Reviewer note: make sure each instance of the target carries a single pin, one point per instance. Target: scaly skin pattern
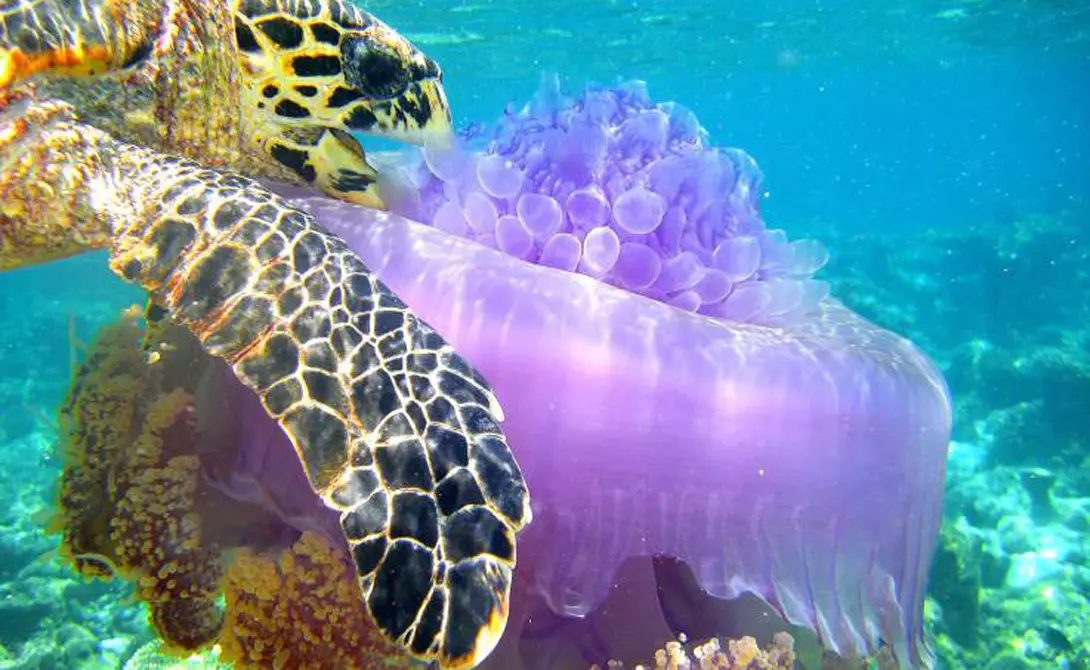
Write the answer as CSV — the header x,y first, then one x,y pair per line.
x,y
269,88
393,428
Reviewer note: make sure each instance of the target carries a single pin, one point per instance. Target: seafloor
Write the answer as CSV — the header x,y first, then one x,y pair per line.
x,y
1000,307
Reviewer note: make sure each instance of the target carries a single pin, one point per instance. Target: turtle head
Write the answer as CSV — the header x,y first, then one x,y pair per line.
x,y
401,90
328,73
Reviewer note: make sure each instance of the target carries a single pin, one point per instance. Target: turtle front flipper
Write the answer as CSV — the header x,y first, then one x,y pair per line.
x,y
393,428
78,38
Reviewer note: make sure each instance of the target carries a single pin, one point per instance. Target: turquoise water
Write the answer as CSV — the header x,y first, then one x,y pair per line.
x,y
895,115
941,151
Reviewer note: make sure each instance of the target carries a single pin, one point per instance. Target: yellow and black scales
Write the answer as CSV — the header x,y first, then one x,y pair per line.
x,y
128,125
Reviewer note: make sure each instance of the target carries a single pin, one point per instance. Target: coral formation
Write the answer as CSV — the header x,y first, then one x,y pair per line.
x,y
1052,398
955,583
1003,310
741,654
150,656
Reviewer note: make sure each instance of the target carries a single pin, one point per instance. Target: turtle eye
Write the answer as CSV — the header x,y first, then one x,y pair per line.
x,y
373,68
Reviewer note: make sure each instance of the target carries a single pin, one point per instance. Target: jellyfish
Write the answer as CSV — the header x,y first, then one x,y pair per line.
x,y
679,387
709,438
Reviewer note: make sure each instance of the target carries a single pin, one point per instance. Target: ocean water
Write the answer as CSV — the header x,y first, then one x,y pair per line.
x,y
940,150
897,115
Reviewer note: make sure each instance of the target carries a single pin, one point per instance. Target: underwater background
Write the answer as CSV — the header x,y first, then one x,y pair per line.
x,y
940,150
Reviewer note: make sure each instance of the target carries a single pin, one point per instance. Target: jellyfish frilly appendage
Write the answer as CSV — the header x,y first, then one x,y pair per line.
x,y
300,610
126,505
136,503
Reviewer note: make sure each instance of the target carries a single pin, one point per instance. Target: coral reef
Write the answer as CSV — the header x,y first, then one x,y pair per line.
x,y
1002,308
49,617
1017,576
151,656
1051,386
742,654
955,583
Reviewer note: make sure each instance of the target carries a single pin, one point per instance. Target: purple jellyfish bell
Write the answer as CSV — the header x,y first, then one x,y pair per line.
x,y
676,384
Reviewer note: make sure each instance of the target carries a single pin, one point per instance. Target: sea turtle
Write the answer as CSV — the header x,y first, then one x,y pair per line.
x,y
135,126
